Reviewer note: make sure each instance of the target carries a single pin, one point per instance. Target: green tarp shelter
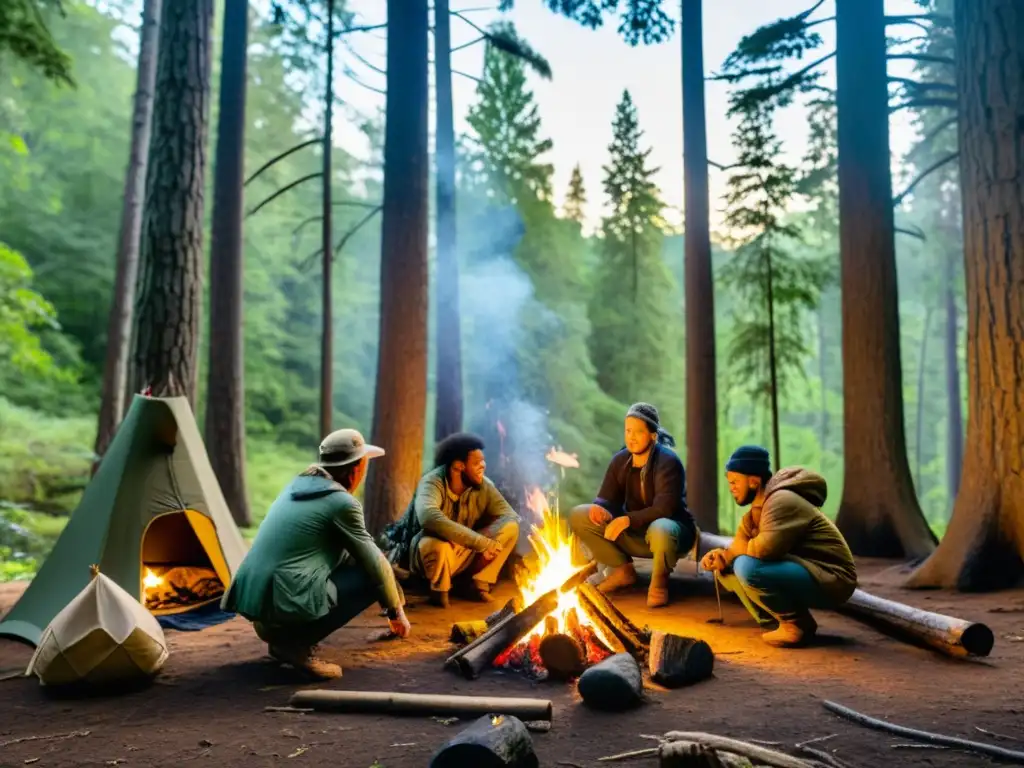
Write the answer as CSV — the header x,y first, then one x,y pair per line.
x,y
154,502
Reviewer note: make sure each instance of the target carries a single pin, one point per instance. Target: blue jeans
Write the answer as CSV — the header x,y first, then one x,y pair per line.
x,y
778,590
662,541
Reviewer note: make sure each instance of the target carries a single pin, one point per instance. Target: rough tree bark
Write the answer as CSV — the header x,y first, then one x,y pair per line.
x,y
448,407
954,408
401,401
701,398
170,277
225,390
327,244
983,548
119,325
879,513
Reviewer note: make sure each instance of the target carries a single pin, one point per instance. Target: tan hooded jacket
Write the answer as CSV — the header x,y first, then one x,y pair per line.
x,y
789,525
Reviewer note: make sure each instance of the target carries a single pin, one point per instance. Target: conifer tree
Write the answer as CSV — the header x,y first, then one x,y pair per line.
x,y
575,198
630,340
774,290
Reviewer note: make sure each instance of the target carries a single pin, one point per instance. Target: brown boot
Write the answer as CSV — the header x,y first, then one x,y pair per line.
x,y
792,634
657,593
439,598
481,591
306,660
622,577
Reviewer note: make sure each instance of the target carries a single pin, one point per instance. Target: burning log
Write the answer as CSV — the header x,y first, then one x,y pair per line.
x,y
476,656
493,741
595,603
954,637
676,661
579,577
384,703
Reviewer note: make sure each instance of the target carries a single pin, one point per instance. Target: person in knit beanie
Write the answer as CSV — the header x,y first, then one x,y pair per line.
x,y
640,510
786,557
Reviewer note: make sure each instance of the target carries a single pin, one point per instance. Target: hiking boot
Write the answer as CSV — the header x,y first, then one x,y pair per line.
x,y
622,577
657,592
306,660
481,592
439,598
792,634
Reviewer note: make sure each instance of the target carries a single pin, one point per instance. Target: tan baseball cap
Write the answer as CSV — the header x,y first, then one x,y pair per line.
x,y
345,446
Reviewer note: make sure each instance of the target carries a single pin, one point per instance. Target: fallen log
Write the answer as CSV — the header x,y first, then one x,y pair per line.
x,y
513,606
614,685
675,661
991,750
493,741
753,752
386,703
562,655
953,637
477,656
467,631
626,632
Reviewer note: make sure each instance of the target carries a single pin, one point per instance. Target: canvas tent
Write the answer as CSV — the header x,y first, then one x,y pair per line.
x,y
154,502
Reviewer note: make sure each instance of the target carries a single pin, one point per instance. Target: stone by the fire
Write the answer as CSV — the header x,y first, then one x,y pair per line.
x,y
493,741
676,661
614,684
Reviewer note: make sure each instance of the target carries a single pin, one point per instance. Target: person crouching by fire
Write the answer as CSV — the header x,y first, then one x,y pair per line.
x,y
786,557
313,566
459,523
640,510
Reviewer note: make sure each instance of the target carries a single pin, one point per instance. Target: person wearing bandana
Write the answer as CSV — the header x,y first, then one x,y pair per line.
x,y
786,557
640,510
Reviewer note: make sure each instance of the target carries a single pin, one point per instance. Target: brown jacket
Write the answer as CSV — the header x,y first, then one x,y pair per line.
x,y
789,525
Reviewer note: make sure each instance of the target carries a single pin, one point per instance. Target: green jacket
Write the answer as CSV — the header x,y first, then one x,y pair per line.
x,y
312,527
789,525
432,510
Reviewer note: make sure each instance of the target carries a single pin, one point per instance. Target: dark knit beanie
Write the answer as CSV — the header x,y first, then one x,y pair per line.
x,y
750,460
648,414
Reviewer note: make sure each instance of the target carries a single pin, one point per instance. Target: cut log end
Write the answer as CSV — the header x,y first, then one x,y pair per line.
x,y
977,640
492,741
562,656
675,661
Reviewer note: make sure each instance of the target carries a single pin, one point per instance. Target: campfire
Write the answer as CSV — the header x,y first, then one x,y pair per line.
x,y
179,588
565,624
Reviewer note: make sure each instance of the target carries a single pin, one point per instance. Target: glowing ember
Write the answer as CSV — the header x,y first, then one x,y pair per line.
x,y
151,580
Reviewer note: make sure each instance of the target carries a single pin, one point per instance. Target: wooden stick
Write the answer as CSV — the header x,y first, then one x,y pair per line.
x,y
506,634
628,755
606,634
380,702
926,736
49,737
824,757
995,735
753,752
579,577
954,637
692,754
596,604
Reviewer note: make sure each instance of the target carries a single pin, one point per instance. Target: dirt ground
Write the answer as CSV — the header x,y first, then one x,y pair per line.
x,y
208,703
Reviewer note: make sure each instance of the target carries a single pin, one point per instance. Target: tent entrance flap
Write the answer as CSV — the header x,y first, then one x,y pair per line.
x,y
182,566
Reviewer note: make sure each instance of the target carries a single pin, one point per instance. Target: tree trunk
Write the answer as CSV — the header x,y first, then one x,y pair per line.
x,y
822,375
225,390
701,406
921,380
327,244
401,401
984,545
773,374
170,278
954,414
448,408
119,325
879,513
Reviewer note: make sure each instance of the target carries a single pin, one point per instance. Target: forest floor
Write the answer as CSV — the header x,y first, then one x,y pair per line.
x,y
208,703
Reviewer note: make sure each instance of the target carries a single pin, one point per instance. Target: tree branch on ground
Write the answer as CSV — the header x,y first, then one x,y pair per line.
x,y
284,189
282,156
925,174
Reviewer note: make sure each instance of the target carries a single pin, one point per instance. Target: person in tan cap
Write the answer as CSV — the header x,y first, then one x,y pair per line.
x,y
313,566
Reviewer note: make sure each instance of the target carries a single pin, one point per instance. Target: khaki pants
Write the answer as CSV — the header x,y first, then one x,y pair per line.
x,y
440,561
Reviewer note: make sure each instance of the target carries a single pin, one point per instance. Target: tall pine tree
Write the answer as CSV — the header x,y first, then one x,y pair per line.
x,y
630,342
575,198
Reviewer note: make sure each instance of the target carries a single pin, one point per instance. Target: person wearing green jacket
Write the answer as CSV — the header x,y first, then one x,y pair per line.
x,y
786,557
458,522
313,566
